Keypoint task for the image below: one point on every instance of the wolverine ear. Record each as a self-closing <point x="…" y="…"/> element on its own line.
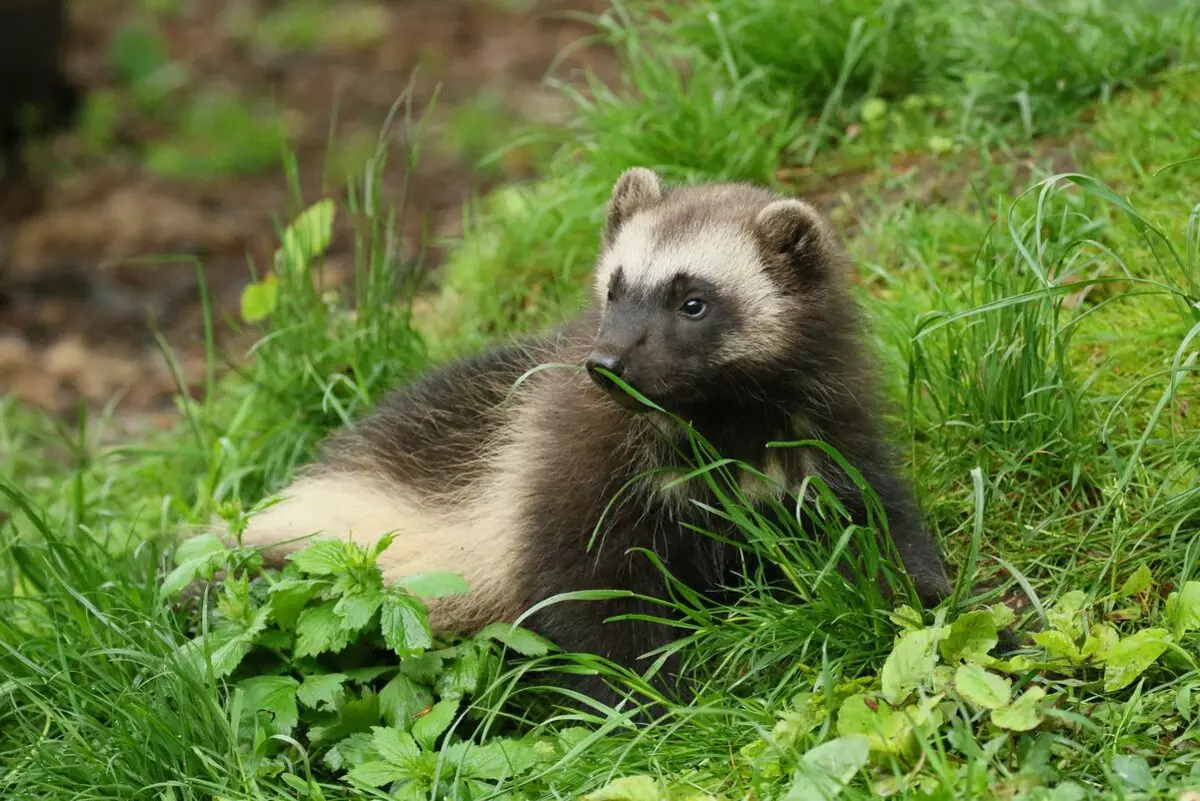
<point x="796" y="231"/>
<point x="637" y="189"/>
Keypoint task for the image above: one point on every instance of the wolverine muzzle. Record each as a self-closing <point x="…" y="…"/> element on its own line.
<point x="600" y="366"/>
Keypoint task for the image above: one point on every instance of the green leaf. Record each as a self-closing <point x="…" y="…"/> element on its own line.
<point x="1066" y="615"/>
<point x="981" y="688"/>
<point x="823" y="772"/>
<point x="1140" y="581"/>
<point x="1100" y="642"/>
<point x="523" y="641"/>
<point x="288" y="598"/>
<point x="352" y="750"/>
<point x="1059" y="645"/>
<point x="970" y="638"/>
<point x="194" y="556"/>
<point x="885" y="730"/>
<point x="630" y="788"/>
<point x="321" y="689"/>
<point x="376" y="774"/>
<point x="434" y="584"/>
<point x="405" y="624"/>
<point x="356" y="609"/>
<point x="319" y="630"/>
<point x="259" y="299"/>
<point x="910" y="662"/>
<point x="1133" y="770"/>
<point x="1183" y="609"/>
<point x="401" y="699"/>
<point x="499" y="759"/>
<point x="461" y="675"/>
<point x="199" y="546"/>
<point x="1130" y="657"/>
<point x="307" y="237"/>
<point x="1002" y="615"/>
<point x="227" y="651"/>
<point x="322" y="557"/>
<point x="427" y="728"/>
<point x="1022" y="714"/>
<point x="396" y="746"/>
<point x="273" y="694"/>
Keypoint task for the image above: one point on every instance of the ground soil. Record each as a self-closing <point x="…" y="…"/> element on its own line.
<point x="76" y="290"/>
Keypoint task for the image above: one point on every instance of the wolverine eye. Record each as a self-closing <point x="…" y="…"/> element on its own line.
<point x="693" y="308"/>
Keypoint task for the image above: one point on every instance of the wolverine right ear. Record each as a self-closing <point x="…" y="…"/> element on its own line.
<point x="796" y="232"/>
<point x="637" y="189"/>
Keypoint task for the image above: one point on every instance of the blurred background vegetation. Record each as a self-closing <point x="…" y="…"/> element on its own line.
<point x="178" y="132"/>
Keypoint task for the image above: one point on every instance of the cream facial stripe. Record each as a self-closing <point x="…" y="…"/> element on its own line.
<point x="722" y="254"/>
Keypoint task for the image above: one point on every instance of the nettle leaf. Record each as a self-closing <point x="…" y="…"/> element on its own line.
<point x="823" y="772"/>
<point x="396" y="746"/>
<point x="981" y="688"/>
<point x="288" y="598"/>
<point x="495" y="761"/>
<point x="523" y="641"/>
<point x="275" y="695"/>
<point x="227" y="645"/>
<point x="353" y="750"/>
<point x="405" y="624"/>
<point x="461" y="675"/>
<point x="319" y="630"/>
<point x="1183" y="609"/>
<point x="427" y="728"/>
<point x="377" y="774"/>
<point x="1139" y="582"/>
<point x="1130" y="657"/>
<point x="971" y="637"/>
<point x="321" y="689"/>
<point x="911" y="662"/>
<point x="1059" y="645"/>
<point x="357" y="609"/>
<point x="1066" y="615"/>
<point x="323" y="557"/>
<point x="402" y="699"/>
<point x="1022" y="714"/>
<point x="434" y="584"/>
<point x="352" y="714"/>
<point x="630" y="788"/>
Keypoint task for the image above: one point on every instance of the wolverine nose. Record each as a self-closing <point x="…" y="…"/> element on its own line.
<point x="606" y="361"/>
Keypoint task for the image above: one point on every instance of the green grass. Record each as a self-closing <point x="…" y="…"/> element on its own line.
<point x="1017" y="184"/>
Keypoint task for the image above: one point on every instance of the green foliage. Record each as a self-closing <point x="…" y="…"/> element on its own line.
<point x="296" y="646"/>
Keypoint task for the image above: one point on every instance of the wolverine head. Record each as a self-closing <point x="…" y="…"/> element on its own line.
<point x="700" y="288"/>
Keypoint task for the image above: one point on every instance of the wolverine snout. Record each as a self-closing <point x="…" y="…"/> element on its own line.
<point x="600" y="360"/>
<point x="604" y="361"/>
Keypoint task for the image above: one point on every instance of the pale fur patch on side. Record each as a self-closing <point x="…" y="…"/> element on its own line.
<point x="478" y="536"/>
<point x="723" y="254"/>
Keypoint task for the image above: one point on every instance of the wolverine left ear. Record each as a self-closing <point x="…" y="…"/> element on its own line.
<point x="637" y="189"/>
<point x="796" y="231"/>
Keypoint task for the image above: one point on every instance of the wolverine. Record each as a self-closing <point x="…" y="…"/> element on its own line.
<point x="724" y="306"/>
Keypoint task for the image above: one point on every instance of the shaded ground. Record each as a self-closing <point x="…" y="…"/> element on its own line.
<point x="175" y="155"/>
